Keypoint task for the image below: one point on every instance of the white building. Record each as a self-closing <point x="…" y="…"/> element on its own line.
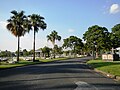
<point x="118" y="51"/>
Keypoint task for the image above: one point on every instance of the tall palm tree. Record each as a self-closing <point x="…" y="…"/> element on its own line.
<point x="36" y="22"/>
<point x="53" y="37"/>
<point x="16" y="25"/>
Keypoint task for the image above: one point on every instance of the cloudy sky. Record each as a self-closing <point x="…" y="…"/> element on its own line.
<point x="67" y="17"/>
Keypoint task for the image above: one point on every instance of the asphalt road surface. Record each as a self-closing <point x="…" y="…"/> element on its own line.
<point x="72" y="74"/>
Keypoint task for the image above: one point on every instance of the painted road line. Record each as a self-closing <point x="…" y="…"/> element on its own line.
<point x="84" y="86"/>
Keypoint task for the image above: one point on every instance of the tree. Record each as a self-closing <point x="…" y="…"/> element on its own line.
<point x="31" y="52"/>
<point x="74" y="43"/>
<point x="116" y="30"/>
<point x="114" y="40"/>
<point x="86" y="49"/>
<point x="97" y="38"/>
<point x="36" y="23"/>
<point x="66" y="52"/>
<point x="53" y="37"/>
<point x="115" y="36"/>
<point x="25" y="52"/>
<point x="16" y="25"/>
<point x="5" y="54"/>
<point x="46" y="51"/>
<point x="58" y="50"/>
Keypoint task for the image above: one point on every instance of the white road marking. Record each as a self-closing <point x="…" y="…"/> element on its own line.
<point x="84" y="86"/>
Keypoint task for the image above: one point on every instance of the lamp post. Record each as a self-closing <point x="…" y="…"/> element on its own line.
<point x="74" y="49"/>
<point x="94" y="49"/>
<point x="96" y="52"/>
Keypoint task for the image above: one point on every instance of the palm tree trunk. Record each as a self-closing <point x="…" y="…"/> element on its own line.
<point x="18" y="49"/>
<point x="54" y="53"/>
<point x="34" y="48"/>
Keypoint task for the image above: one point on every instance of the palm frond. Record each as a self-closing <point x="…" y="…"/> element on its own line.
<point x="14" y="12"/>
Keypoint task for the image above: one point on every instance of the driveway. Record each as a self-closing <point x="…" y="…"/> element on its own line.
<point x="72" y="74"/>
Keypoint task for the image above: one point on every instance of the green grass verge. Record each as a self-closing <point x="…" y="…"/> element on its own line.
<point x="21" y="63"/>
<point x="4" y="65"/>
<point x="109" y="67"/>
<point x="51" y="60"/>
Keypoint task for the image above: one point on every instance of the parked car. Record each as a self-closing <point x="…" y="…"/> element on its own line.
<point x="4" y="59"/>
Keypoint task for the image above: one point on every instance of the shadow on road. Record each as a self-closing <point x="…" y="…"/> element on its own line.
<point x="59" y="75"/>
<point x="66" y="66"/>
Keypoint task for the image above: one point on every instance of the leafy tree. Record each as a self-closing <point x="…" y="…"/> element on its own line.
<point x="36" y="23"/>
<point x="79" y="49"/>
<point x="46" y="51"/>
<point x="116" y="30"/>
<point x="53" y="37"/>
<point x="115" y="36"/>
<point x="58" y="50"/>
<point x="86" y="49"/>
<point x="73" y="42"/>
<point x="5" y="54"/>
<point x="16" y="25"/>
<point x="97" y="38"/>
<point x="31" y="52"/>
<point x="114" y="40"/>
<point x="66" y="52"/>
<point x="20" y="52"/>
<point x="25" y="52"/>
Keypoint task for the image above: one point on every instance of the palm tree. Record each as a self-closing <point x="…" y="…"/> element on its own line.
<point x="36" y="22"/>
<point x="16" y="25"/>
<point x="52" y="37"/>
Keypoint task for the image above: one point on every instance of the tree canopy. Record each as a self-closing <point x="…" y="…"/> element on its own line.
<point x="74" y="43"/>
<point x="53" y="37"/>
<point x="97" y="36"/>
<point x="116" y="30"/>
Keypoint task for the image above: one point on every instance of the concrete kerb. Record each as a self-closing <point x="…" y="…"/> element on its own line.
<point x="108" y="75"/>
<point x="105" y="74"/>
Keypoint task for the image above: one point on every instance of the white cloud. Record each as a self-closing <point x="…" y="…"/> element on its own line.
<point x="71" y="30"/>
<point x="115" y="8"/>
<point x="3" y="24"/>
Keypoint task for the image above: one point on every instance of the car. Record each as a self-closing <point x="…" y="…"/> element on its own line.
<point x="3" y="59"/>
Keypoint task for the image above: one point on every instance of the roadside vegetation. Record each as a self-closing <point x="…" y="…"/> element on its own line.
<point x="5" y="65"/>
<point x="51" y="60"/>
<point x="108" y="67"/>
<point x="97" y="40"/>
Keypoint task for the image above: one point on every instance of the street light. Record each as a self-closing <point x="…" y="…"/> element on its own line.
<point x="94" y="49"/>
<point x="74" y="48"/>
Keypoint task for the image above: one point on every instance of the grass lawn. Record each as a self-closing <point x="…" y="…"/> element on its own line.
<point x="51" y="60"/>
<point x="109" y="67"/>
<point x="4" y="65"/>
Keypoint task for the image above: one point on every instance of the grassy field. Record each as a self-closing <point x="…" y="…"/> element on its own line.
<point x="51" y="60"/>
<point x="4" y="65"/>
<point x="109" y="67"/>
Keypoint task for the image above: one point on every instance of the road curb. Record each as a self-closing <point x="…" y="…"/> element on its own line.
<point x="108" y="74"/>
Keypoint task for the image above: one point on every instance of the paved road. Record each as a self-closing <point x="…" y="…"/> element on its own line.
<point x="71" y="74"/>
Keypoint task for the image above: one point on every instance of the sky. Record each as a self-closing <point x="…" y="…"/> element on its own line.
<point x="67" y="17"/>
